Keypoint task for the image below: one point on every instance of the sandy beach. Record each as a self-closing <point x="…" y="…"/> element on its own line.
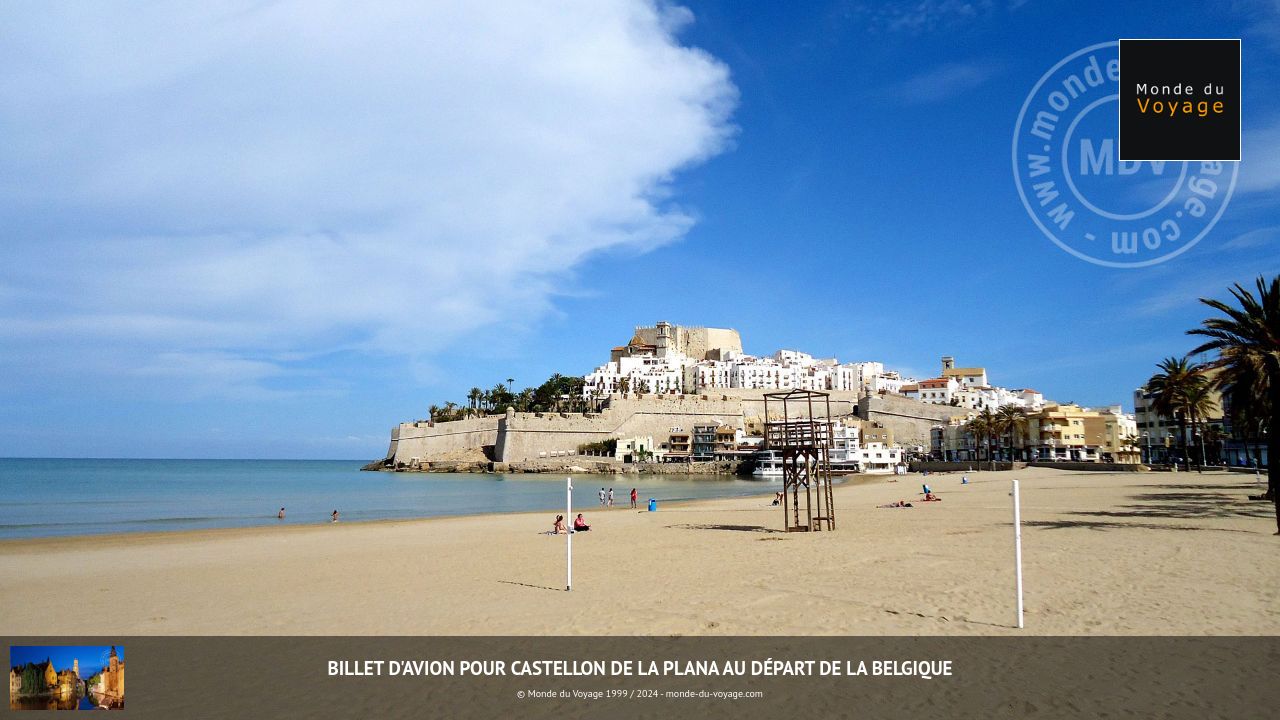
<point x="1105" y="554"/>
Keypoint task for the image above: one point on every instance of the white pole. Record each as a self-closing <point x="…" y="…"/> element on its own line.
<point x="568" y="538"/>
<point x="1017" y="547"/>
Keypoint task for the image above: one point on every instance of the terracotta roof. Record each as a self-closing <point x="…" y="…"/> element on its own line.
<point x="935" y="382"/>
<point x="952" y="372"/>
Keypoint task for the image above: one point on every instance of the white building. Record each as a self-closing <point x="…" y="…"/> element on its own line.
<point x="877" y="458"/>
<point x="937" y="391"/>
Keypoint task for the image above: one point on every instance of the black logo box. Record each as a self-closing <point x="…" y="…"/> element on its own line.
<point x="1187" y="68"/>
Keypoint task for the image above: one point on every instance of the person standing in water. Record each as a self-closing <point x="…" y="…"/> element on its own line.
<point x="334" y="517"/>
<point x="610" y="497"/>
<point x="280" y="515"/>
<point x="634" y="497"/>
<point x="601" y="497"/>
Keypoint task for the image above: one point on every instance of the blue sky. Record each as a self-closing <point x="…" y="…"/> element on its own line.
<point x="92" y="657"/>
<point x="278" y="229"/>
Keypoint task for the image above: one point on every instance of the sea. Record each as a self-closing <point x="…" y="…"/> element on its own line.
<point x="60" y="497"/>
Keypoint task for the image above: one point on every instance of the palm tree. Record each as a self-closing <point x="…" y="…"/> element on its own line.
<point x="1177" y="379"/>
<point x="992" y="425"/>
<point x="1247" y="340"/>
<point x="1199" y="406"/>
<point x="983" y="428"/>
<point x="474" y="396"/>
<point x="1012" y="419"/>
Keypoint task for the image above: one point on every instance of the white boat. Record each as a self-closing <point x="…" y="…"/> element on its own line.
<point x="768" y="465"/>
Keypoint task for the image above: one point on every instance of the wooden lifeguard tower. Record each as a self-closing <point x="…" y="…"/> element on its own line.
<point x="803" y="441"/>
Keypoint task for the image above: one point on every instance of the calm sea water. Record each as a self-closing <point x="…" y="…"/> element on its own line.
<point x="84" y="497"/>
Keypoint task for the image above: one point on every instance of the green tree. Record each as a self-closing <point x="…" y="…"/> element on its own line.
<point x="1199" y="407"/>
<point x="1176" y="381"/>
<point x="1011" y="420"/>
<point x="981" y="427"/>
<point x="1246" y="337"/>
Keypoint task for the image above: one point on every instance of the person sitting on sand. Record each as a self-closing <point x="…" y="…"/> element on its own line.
<point x="559" y="528"/>
<point x="930" y="497"/>
<point x="777" y="498"/>
<point x="580" y="525"/>
<point x="334" y="517"/>
<point x="280" y="515"/>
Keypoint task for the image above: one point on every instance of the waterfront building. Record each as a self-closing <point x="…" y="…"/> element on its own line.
<point x="846" y="440"/>
<point x="710" y="441"/>
<point x="111" y="680"/>
<point x="636" y="449"/>
<point x="878" y="459"/>
<point x="1066" y="433"/>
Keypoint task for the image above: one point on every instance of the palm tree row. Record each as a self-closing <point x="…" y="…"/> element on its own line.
<point x="558" y="393"/>
<point x="990" y="428"/>
<point x="1183" y="390"/>
<point x="1246" y="338"/>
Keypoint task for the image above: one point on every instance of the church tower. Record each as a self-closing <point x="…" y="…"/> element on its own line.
<point x="663" y="342"/>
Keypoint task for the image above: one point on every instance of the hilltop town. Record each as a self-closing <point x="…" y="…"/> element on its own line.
<point x="678" y="398"/>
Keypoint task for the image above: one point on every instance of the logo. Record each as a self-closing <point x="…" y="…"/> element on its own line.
<point x="1101" y="209"/>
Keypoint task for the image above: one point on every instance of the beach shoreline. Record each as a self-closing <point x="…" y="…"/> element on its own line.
<point x="1105" y="554"/>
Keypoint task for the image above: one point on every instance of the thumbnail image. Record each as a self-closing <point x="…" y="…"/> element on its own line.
<point x="66" y="677"/>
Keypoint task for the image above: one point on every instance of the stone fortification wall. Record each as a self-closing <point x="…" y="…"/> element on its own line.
<point x="910" y="420"/>
<point x="519" y="437"/>
<point x="528" y="436"/>
<point x="843" y="404"/>
<point x="426" y="441"/>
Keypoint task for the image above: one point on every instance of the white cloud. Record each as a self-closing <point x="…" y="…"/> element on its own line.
<point x="945" y="82"/>
<point x="226" y="184"/>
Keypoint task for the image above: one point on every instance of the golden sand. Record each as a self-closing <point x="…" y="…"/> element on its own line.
<point x="1104" y="554"/>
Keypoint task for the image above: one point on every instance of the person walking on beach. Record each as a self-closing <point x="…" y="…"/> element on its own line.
<point x="634" y="498"/>
<point x="280" y="515"/>
<point x="610" y="497"/>
<point x="601" y="497"/>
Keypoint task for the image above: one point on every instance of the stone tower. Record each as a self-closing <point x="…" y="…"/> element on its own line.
<point x="113" y="660"/>
<point x="948" y="363"/>
<point x="75" y="666"/>
<point x="664" y="339"/>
